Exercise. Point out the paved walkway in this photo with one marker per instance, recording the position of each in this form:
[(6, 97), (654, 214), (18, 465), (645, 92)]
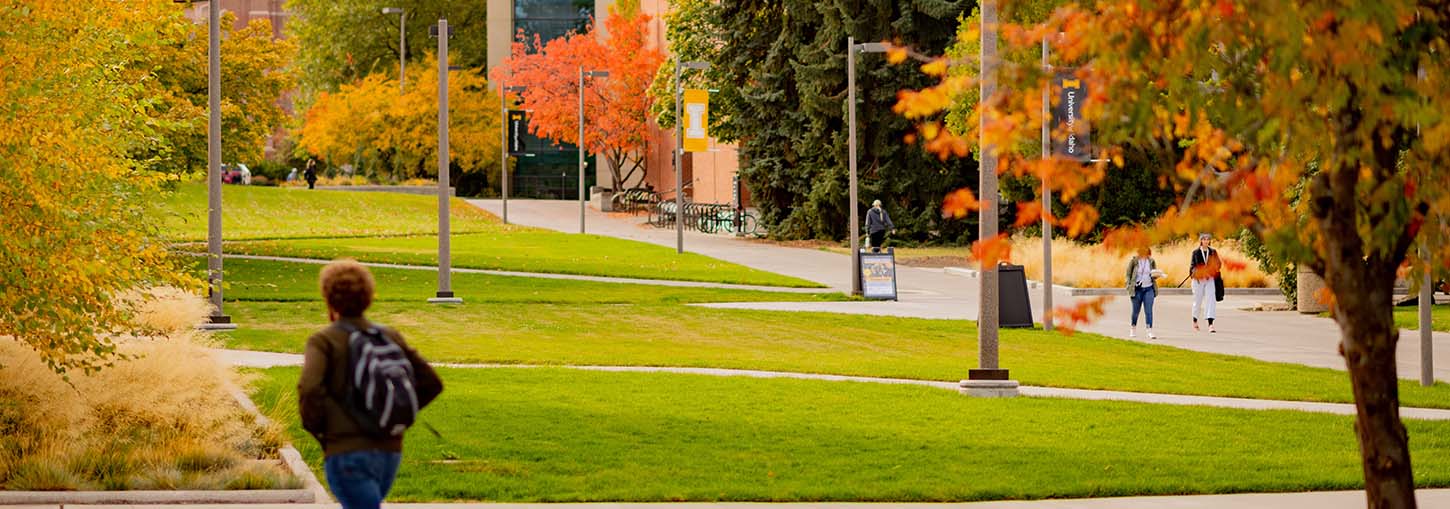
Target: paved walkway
[(1284, 336), (271, 359)]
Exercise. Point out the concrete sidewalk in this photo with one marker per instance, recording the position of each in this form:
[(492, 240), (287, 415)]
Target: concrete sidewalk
[(1310, 500), (1282, 336)]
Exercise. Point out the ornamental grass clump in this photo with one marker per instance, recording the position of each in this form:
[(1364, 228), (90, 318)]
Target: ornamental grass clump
[(161, 416), (1094, 266)]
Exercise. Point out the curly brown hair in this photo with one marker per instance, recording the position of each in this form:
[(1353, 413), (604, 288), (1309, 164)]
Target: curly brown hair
[(347, 286)]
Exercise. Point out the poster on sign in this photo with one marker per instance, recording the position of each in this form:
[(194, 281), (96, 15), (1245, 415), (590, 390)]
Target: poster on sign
[(878, 275), (1071, 136)]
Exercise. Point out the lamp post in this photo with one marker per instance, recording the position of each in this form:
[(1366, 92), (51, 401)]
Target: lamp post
[(503, 115), (988, 379), (1046, 203), (402, 42), (218, 320), (855, 232), (445, 290), (679, 153), (584, 74)]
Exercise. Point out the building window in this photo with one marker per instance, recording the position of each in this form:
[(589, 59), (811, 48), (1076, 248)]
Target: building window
[(551, 19)]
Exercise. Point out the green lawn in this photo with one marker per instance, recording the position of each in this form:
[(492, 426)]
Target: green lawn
[(261, 280), (1408, 317), (375, 226), (556, 435), (530, 250), (599, 327), (255, 212)]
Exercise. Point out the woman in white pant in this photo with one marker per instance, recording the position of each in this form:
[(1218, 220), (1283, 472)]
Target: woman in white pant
[(1207, 281)]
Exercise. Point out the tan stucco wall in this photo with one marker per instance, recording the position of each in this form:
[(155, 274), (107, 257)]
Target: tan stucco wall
[(500, 31)]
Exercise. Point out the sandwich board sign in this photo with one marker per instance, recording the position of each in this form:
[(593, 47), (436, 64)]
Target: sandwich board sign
[(878, 275)]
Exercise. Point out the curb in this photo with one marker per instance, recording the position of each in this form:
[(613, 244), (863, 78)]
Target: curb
[(314, 493), (156, 497), (1076, 292), (1260, 292), (421, 190)]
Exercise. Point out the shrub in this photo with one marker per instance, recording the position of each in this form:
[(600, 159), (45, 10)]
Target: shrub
[(42, 474), (161, 417)]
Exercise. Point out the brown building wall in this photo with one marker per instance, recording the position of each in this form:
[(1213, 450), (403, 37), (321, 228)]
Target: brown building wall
[(246, 11)]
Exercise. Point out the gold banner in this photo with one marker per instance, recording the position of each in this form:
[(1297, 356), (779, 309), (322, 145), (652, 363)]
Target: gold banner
[(696, 112)]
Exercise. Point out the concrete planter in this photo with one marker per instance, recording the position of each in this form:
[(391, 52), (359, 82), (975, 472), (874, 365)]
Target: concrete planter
[(603, 199)]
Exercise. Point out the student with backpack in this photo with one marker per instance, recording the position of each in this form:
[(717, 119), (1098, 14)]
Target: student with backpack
[(361, 387)]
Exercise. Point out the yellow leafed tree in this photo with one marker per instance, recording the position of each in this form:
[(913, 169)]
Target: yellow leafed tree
[(76, 229), (394, 136)]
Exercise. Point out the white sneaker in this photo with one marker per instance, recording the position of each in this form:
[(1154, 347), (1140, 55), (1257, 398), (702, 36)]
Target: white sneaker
[(1133, 332), (1211, 329), (1151, 335)]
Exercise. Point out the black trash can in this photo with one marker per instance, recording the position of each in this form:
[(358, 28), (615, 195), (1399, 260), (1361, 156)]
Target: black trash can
[(1013, 305)]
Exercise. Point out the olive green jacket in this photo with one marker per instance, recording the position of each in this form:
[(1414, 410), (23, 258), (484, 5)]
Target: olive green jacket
[(1132, 279)]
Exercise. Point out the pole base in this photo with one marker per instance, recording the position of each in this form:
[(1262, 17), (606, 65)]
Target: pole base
[(989, 388), (987, 374), (217, 323), (445, 298)]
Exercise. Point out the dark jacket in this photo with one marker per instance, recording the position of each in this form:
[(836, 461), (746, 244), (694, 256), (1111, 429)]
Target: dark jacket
[(878, 220), (324, 385), (1215, 266)]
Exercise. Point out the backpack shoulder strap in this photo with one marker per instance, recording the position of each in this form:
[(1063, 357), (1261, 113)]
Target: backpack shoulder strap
[(377, 328)]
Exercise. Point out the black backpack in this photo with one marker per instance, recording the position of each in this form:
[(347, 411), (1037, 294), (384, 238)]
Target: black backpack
[(381, 382)]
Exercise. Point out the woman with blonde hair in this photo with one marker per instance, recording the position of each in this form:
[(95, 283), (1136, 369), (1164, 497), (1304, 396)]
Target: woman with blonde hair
[(1142, 284)]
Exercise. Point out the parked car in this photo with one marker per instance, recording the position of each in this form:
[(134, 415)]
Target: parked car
[(236, 174)]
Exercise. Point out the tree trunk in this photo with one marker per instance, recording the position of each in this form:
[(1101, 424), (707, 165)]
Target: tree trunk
[(1368, 339)]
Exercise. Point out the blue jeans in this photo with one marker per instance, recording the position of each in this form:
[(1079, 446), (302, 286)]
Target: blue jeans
[(361, 479), (1143, 298)]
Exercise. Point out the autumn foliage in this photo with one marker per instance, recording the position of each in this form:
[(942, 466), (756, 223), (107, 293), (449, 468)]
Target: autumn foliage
[(77, 231), (616, 108), (393, 136), (1262, 100), (254, 78)]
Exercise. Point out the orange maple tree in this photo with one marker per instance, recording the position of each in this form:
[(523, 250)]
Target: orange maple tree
[(1319, 126), (616, 108)]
